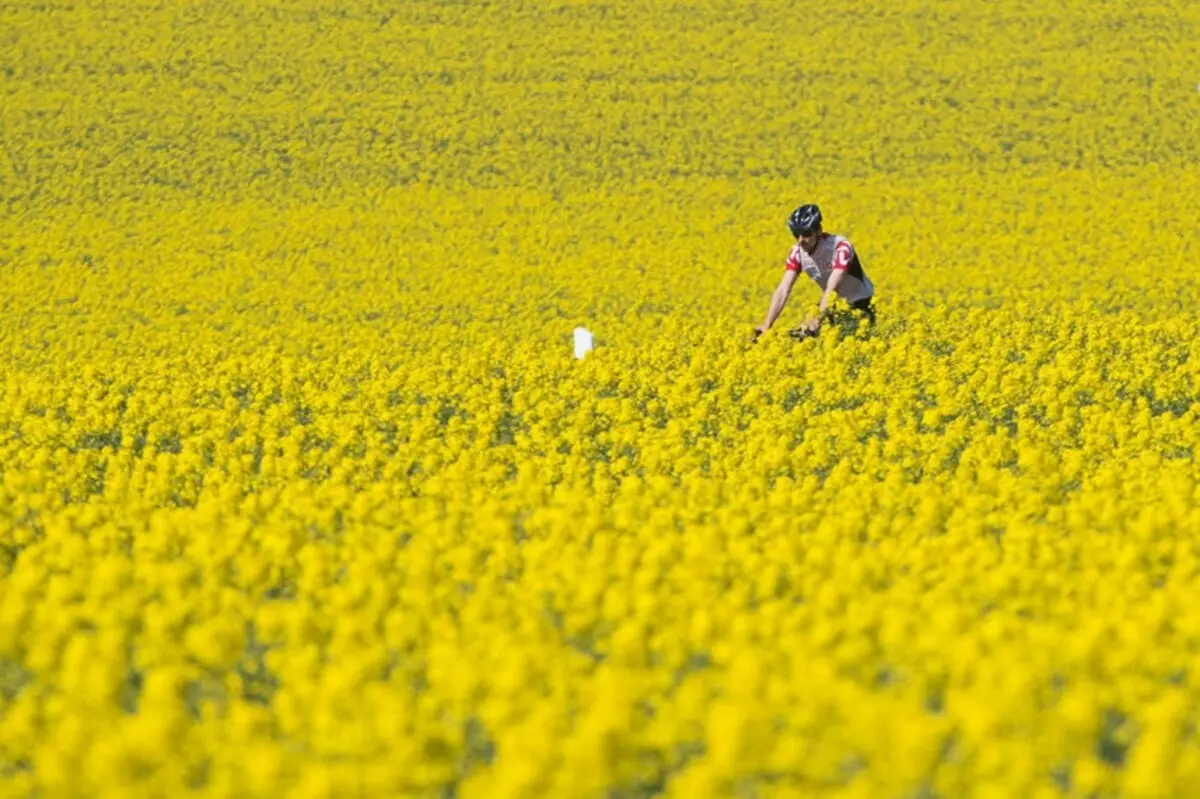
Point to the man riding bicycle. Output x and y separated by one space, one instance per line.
832 263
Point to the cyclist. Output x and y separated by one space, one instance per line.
830 260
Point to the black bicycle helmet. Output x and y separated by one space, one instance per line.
804 220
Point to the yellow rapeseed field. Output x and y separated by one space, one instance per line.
303 492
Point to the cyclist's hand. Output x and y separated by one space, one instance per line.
807 329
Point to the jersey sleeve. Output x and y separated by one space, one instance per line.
843 255
793 261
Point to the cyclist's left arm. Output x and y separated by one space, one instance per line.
835 280
842 257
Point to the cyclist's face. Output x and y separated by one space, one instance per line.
808 242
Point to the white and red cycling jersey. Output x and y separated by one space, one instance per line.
833 253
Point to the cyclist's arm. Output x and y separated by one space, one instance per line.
779 299
835 280
842 257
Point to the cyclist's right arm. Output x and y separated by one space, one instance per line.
779 299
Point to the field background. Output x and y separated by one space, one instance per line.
302 492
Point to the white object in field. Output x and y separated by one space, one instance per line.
583 342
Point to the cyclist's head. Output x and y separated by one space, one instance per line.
805 221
